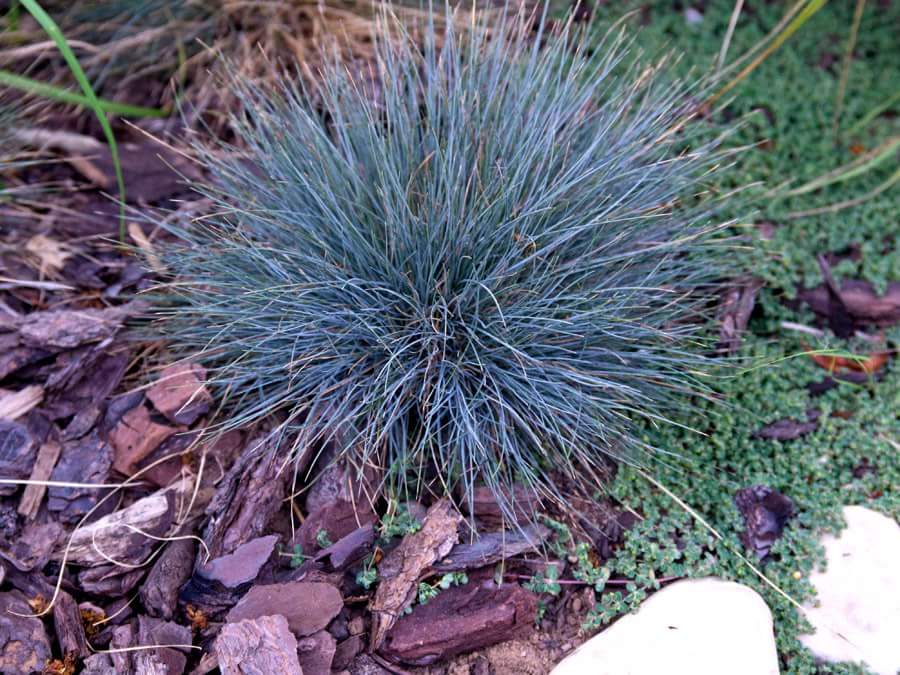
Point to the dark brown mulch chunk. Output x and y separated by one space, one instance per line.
243 565
458 620
24 647
492 547
346 651
152 173
18 451
316 652
247 498
159 592
765 512
32 548
180 394
70 328
86 460
158 632
69 627
84 378
340 555
487 509
789 429
859 299
337 520
735 309
135 437
113 581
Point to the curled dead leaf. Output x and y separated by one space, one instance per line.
869 365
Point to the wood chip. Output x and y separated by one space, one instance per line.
69 627
403 567
135 437
316 652
257 646
461 619
69 328
308 607
24 647
247 498
180 394
117 535
159 592
17 453
492 547
735 309
33 494
242 565
15 404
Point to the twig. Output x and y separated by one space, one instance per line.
800 328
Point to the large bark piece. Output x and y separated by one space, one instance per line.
24 647
403 567
247 498
172 569
120 535
307 606
260 646
458 620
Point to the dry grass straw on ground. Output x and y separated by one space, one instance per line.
169 51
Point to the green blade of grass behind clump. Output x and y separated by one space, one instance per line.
871 160
55 93
93 102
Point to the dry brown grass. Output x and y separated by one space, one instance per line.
154 52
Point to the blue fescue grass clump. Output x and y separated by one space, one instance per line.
481 262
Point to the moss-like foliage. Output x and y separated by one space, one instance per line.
852 457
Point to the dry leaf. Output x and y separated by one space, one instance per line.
869 365
51 254
137 234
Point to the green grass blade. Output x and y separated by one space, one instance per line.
55 34
857 167
50 91
873 113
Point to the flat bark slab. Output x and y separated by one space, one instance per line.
247 498
458 620
492 547
402 568
307 606
172 569
120 535
180 394
260 646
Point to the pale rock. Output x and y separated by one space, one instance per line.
857 612
693 627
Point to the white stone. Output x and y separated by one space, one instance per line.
693 627
857 614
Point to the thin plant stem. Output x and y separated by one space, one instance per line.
845 66
726 42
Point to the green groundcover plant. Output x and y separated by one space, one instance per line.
480 262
